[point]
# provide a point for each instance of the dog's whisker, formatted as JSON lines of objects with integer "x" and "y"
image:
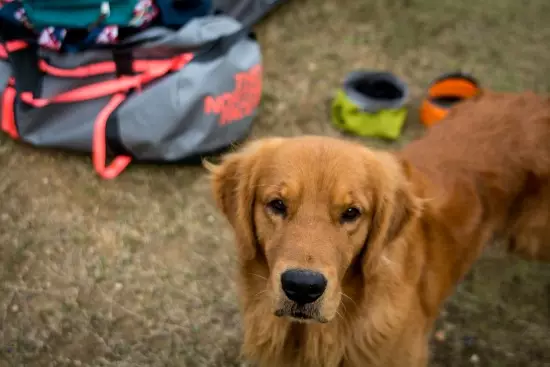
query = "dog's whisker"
{"x": 349, "y": 298}
{"x": 343, "y": 306}
{"x": 260, "y": 293}
{"x": 390, "y": 264}
{"x": 259, "y": 276}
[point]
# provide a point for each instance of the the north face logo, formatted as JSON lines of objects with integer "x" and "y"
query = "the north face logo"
{"x": 239, "y": 103}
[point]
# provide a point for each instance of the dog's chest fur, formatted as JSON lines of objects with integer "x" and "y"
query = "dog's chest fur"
{"x": 272, "y": 342}
{"x": 276, "y": 342}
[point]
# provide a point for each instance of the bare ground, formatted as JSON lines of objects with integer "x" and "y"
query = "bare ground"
{"x": 137, "y": 271}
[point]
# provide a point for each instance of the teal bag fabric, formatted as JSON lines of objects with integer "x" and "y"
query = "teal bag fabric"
{"x": 80, "y": 13}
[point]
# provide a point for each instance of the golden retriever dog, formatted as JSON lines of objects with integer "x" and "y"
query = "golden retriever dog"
{"x": 347, "y": 253}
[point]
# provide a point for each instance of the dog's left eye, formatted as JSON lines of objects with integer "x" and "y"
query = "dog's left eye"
{"x": 277, "y": 206}
{"x": 350, "y": 214}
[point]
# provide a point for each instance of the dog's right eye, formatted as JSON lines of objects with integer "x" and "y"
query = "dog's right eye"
{"x": 277, "y": 206}
{"x": 350, "y": 215}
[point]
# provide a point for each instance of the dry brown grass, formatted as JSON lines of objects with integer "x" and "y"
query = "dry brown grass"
{"x": 137, "y": 272}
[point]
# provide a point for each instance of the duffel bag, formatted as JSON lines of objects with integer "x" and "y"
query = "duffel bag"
{"x": 160, "y": 96}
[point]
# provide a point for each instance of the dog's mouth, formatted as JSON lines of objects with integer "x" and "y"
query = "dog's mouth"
{"x": 300, "y": 315}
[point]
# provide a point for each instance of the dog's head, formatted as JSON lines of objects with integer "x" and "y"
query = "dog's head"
{"x": 318, "y": 213}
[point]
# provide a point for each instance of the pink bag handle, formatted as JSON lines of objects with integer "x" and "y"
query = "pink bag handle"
{"x": 99, "y": 143}
{"x": 110, "y": 87}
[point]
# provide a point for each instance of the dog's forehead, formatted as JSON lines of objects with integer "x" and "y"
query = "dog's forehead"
{"x": 323, "y": 167}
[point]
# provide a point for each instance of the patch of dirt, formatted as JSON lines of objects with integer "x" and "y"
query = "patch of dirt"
{"x": 138, "y": 271}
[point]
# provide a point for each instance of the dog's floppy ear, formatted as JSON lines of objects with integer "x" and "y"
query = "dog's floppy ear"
{"x": 397, "y": 204}
{"x": 233, "y": 184}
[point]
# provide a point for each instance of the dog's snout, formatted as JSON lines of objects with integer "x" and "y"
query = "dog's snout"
{"x": 303, "y": 286}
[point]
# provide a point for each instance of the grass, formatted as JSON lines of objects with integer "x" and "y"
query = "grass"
{"x": 137, "y": 271}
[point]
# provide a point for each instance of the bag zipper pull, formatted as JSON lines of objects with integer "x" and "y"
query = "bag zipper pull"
{"x": 105, "y": 9}
{"x": 104, "y": 12}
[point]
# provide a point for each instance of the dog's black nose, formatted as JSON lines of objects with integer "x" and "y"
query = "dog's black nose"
{"x": 303, "y": 286}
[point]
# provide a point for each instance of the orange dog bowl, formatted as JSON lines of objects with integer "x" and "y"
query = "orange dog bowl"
{"x": 443, "y": 93}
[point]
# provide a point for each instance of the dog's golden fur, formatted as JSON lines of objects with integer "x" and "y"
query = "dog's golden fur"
{"x": 426, "y": 212}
